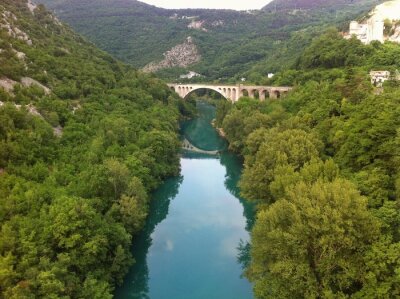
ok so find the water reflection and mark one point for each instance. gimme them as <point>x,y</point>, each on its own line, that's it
<point>233,166</point>
<point>199,250</point>
<point>200,132</point>
<point>136,282</point>
<point>243,256</point>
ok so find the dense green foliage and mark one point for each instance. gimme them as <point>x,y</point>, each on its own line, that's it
<point>301,4</point>
<point>232,44</point>
<point>323,164</point>
<point>76,164</point>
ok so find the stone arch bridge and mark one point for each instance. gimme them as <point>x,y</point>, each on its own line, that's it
<point>233,92</point>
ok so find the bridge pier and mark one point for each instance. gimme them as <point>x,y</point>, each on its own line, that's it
<point>233,92</point>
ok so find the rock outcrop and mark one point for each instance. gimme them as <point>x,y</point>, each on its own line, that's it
<point>381,24</point>
<point>198,25</point>
<point>389,10</point>
<point>27,82</point>
<point>182,55</point>
<point>57,131</point>
<point>8,84</point>
<point>395,34</point>
<point>7,20</point>
<point>31,6</point>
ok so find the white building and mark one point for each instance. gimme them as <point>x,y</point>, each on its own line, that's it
<point>378,77</point>
<point>190,75</point>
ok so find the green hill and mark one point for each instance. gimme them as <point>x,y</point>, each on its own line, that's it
<point>323,166</point>
<point>229,42</point>
<point>83,139</point>
<point>311,4</point>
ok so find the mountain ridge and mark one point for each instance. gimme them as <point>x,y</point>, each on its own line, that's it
<point>307,4</point>
<point>229,42</point>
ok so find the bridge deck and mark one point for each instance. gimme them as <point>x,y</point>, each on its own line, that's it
<point>186,145</point>
<point>228,85</point>
<point>233,92</point>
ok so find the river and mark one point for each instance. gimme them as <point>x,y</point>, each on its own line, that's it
<point>195,242</point>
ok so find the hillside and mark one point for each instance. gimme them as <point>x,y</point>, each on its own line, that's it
<point>310,4</point>
<point>83,140</point>
<point>229,42</point>
<point>323,167</point>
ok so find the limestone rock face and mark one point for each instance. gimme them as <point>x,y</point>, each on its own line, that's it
<point>395,36</point>
<point>7,23</point>
<point>7,84</point>
<point>181,55</point>
<point>31,6</point>
<point>389,10</point>
<point>382,23</point>
<point>198,25</point>
<point>27,82</point>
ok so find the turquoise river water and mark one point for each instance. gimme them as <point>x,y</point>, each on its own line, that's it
<point>195,242</point>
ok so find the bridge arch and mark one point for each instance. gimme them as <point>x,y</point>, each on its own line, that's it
<point>244,93</point>
<point>265,94</point>
<point>255,94</point>
<point>277,94</point>
<point>223,93</point>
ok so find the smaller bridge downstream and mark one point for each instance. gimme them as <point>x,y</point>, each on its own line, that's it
<point>186,145</point>
<point>234,92</point>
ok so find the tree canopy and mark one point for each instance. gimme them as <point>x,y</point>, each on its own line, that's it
<point>323,166</point>
<point>77,160</point>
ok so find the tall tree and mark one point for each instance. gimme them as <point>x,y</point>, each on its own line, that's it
<point>311,244</point>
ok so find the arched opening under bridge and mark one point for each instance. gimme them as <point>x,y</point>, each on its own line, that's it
<point>213,93</point>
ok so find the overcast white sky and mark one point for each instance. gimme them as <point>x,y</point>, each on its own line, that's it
<point>229,4</point>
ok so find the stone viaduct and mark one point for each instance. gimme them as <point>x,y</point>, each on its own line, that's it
<point>233,92</point>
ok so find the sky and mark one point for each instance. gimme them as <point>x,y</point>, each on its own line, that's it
<point>228,4</point>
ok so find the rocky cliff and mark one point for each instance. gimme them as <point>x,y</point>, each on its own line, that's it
<point>389,10</point>
<point>181,55</point>
<point>382,23</point>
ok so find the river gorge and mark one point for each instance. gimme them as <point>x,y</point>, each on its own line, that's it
<point>195,242</point>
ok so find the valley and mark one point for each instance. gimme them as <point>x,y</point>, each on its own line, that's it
<point>199,153</point>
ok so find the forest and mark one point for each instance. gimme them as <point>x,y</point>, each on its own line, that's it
<point>85,139</point>
<point>323,167</point>
<point>231,43</point>
<point>77,158</point>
